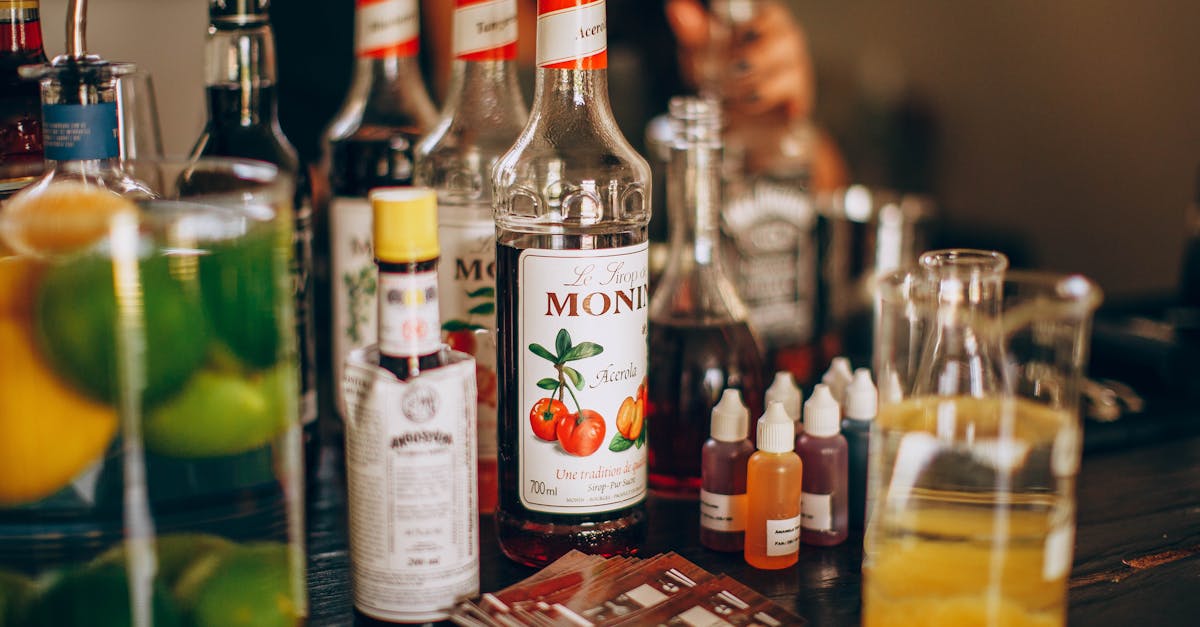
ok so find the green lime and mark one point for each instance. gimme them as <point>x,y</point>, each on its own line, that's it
<point>175,553</point>
<point>16,591</point>
<point>245,287</point>
<point>77,325</point>
<point>217,413</point>
<point>251,586</point>
<point>97,596</point>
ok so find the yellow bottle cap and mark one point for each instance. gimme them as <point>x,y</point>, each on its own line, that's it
<point>405,224</point>
<point>18,4</point>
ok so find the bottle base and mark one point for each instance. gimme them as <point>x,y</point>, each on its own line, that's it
<point>536,544</point>
<point>727,541</point>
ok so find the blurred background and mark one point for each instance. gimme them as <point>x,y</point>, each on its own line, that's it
<point>1065,133</point>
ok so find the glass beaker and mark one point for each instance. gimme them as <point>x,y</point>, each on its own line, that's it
<point>975,450</point>
<point>150,459</point>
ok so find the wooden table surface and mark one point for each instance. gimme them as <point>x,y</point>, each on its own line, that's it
<point>1137,552</point>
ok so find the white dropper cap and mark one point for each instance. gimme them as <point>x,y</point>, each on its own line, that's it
<point>862,400</point>
<point>730,418</point>
<point>784,390</point>
<point>776,433</point>
<point>822,414</point>
<point>838,377</point>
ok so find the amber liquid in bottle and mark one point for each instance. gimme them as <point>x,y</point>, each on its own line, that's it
<point>690,365</point>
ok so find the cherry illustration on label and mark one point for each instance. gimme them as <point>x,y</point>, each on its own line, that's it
<point>580,433</point>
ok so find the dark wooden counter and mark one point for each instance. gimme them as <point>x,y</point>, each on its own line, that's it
<point>1137,552</point>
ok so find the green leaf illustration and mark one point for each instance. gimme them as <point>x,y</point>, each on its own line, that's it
<point>484,309</point>
<point>641,439</point>
<point>548,384</point>
<point>619,443</point>
<point>483,291</point>
<point>457,325</point>
<point>575,377</point>
<point>540,351</point>
<point>562,343</point>
<point>583,350</point>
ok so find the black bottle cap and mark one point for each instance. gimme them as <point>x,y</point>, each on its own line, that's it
<point>238,11</point>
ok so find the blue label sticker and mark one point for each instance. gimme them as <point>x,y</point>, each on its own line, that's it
<point>73,132</point>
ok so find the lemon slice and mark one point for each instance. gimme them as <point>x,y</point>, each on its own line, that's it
<point>60,217</point>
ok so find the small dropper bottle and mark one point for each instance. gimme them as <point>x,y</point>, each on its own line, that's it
<point>824,504</point>
<point>838,377</point>
<point>723,475</point>
<point>784,390</point>
<point>862,403</point>
<point>773,479</point>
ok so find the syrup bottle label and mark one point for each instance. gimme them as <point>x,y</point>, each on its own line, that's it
<point>467,289</point>
<point>581,333</point>
<point>722,512</point>
<point>485,30</point>
<point>410,471</point>
<point>353,275</point>
<point>386,28</point>
<point>572,34</point>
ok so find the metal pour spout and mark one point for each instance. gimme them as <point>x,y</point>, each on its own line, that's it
<point>77,29</point>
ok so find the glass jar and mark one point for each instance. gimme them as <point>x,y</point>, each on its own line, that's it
<point>150,459</point>
<point>974,453</point>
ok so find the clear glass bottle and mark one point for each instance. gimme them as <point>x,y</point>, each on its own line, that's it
<point>243,121</point>
<point>484,113</point>
<point>368,144</point>
<point>20,102</point>
<point>700,341</point>
<point>571,206</point>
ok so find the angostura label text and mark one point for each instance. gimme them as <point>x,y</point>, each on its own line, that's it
<point>582,382</point>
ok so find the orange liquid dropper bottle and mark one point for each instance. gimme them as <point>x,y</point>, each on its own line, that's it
<point>773,482</point>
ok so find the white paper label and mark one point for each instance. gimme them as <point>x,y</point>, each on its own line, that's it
<point>816,511</point>
<point>408,313</point>
<point>467,289</point>
<point>383,24</point>
<point>722,512</point>
<point>783,537</point>
<point>572,33</point>
<point>646,595</point>
<point>587,309</point>
<point>353,275</point>
<point>484,26</point>
<point>410,476</point>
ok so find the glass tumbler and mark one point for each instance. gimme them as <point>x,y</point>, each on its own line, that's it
<point>150,454</point>
<point>973,457</point>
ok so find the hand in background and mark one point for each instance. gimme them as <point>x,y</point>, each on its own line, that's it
<point>764,68</point>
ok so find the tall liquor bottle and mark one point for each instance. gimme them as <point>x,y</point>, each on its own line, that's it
<point>483,115</point>
<point>243,121</point>
<point>20,103</point>
<point>571,206</point>
<point>368,144</point>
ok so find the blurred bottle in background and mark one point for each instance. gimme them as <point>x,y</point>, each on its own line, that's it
<point>483,115</point>
<point>368,144</point>
<point>243,121</point>
<point>20,100</point>
<point>700,342</point>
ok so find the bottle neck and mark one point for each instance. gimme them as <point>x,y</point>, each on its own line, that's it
<point>21,30</point>
<point>486,90</point>
<point>240,75</point>
<point>572,100</point>
<point>409,327</point>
